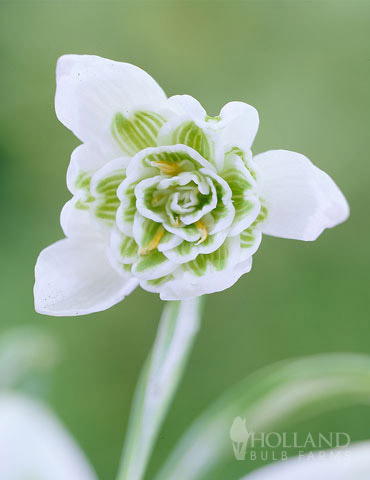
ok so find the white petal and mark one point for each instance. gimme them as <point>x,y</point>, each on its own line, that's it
<point>343,464</point>
<point>301,199</point>
<point>76,278</point>
<point>187,105</point>
<point>189,286</point>
<point>77,223</point>
<point>239,124</point>
<point>34,445</point>
<point>84,158</point>
<point>91,90</point>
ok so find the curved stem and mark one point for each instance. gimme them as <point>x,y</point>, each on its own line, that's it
<point>157,384</point>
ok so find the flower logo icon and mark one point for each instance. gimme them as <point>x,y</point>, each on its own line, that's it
<point>239,436</point>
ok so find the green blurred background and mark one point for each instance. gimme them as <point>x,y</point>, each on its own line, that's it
<point>305,65</point>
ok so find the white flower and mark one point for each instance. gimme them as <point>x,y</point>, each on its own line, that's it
<point>35,445</point>
<point>164,195</point>
<point>351,463</point>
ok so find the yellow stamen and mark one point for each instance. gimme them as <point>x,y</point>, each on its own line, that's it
<point>176,222</point>
<point>203,232</point>
<point>153,244</point>
<point>168,168</point>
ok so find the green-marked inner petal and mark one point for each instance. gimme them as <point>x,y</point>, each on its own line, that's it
<point>243,156</point>
<point>188,251</point>
<point>137,132</point>
<point>189,233</point>
<point>149,261</point>
<point>262,215</point>
<point>127,209</point>
<point>160,281</point>
<point>193,136</point>
<point>149,234</point>
<point>152,265</point>
<point>247,238</point>
<point>216,260</point>
<point>128,249</point>
<point>124,249</point>
<point>241,183</point>
<point>107,201</point>
<point>224,211</point>
<point>82,184</point>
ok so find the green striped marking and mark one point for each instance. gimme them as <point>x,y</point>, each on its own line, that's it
<point>107,202</point>
<point>238,151</point>
<point>137,132</point>
<point>193,136</point>
<point>128,249</point>
<point>261,216</point>
<point>217,260</point>
<point>221,210</point>
<point>160,281</point>
<point>152,260</point>
<point>247,238</point>
<point>129,210</point>
<point>239,185</point>
<point>149,230</point>
<point>82,183</point>
<point>126,267</point>
<point>217,118</point>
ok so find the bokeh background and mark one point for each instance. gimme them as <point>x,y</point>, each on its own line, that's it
<point>305,65</point>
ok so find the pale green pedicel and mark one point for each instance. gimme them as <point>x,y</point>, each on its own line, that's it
<point>158,382</point>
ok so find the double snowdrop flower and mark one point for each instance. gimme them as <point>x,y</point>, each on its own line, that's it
<point>164,195</point>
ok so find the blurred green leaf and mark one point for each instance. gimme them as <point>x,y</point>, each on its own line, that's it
<point>25,352</point>
<point>286,391</point>
<point>157,384</point>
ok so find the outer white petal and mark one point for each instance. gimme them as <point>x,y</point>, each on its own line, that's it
<point>91,89</point>
<point>348,464</point>
<point>187,105</point>
<point>238,125</point>
<point>34,445</point>
<point>301,199</point>
<point>76,278</point>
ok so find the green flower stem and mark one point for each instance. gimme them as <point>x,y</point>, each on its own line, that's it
<point>157,384</point>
